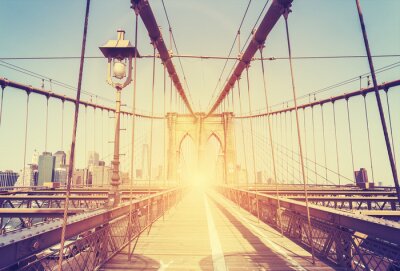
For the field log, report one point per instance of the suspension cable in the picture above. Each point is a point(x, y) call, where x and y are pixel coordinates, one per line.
point(62, 125)
point(324, 141)
point(1, 101)
point(286, 144)
point(291, 141)
point(244, 142)
point(314, 143)
point(378, 100)
point(336, 141)
point(85, 154)
point(237, 37)
point(390, 123)
point(252, 142)
point(305, 142)
point(94, 128)
point(350, 137)
point(47, 122)
point(150, 155)
point(26, 137)
point(369, 138)
point(72, 154)
point(164, 124)
point(271, 141)
point(285, 15)
point(177, 52)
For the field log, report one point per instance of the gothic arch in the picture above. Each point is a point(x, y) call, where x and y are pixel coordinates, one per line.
point(220, 141)
point(200, 129)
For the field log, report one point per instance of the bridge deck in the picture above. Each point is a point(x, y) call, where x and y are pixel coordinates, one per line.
point(206, 232)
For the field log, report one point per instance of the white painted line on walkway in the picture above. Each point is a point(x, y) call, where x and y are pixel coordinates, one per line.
point(271, 244)
point(216, 249)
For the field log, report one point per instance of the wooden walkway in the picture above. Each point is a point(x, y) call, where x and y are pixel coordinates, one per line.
point(207, 232)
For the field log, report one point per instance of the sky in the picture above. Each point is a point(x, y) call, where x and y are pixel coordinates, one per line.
point(54, 28)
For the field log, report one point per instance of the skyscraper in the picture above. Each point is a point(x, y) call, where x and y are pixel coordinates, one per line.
point(35, 157)
point(60, 157)
point(93, 158)
point(46, 168)
point(8, 178)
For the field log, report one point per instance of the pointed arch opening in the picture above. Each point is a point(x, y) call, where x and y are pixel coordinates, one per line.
point(214, 160)
point(187, 159)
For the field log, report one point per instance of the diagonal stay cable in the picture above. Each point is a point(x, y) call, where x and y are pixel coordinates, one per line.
point(176, 49)
point(230, 52)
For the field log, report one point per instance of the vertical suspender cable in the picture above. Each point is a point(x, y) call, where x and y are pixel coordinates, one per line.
point(133, 171)
point(286, 149)
point(151, 133)
point(102, 145)
point(62, 125)
point(94, 128)
point(390, 123)
point(336, 142)
point(281, 147)
point(310, 238)
point(351, 138)
point(369, 138)
point(243, 139)
point(170, 52)
point(85, 154)
point(305, 143)
point(26, 138)
point(271, 141)
point(378, 100)
point(47, 123)
point(72, 154)
point(102, 133)
point(165, 126)
point(291, 143)
point(1, 101)
point(252, 141)
point(324, 141)
point(315, 151)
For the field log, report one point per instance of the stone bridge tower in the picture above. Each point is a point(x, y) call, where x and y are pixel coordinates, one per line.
point(200, 129)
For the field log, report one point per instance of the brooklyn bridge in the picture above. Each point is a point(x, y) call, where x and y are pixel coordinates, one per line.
point(272, 145)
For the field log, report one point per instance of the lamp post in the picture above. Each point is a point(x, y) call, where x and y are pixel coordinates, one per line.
point(118, 52)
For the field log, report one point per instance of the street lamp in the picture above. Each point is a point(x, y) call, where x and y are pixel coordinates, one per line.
point(118, 52)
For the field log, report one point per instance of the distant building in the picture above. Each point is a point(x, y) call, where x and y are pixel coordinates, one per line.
point(31, 176)
point(35, 157)
point(79, 177)
point(8, 178)
point(46, 168)
point(60, 175)
point(261, 176)
point(60, 157)
point(93, 158)
point(100, 175)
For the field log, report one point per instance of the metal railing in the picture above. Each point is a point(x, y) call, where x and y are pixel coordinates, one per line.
point(91, 238)
point(353, 241)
